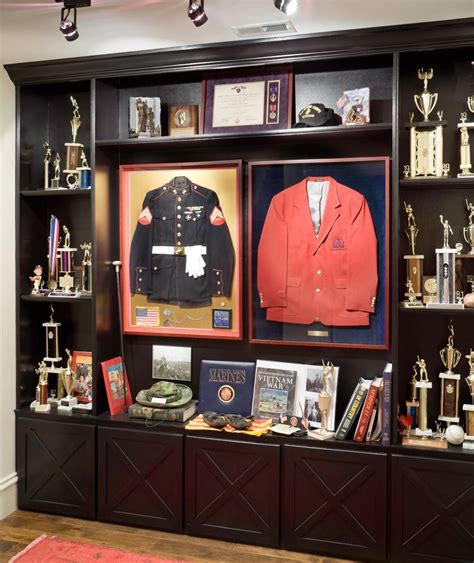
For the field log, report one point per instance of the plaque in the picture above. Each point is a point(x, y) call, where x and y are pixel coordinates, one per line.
point(183, 120)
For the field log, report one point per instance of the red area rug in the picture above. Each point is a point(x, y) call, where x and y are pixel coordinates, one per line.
point(49, 549)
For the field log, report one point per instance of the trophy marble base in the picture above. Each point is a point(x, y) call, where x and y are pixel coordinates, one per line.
point(64, 410)
point(68, 402)
point(320, 435)
point(423, 433)
point(445, 305)
point(55, 185)
point(468, 175)
point(36, 407)
point(61, 293)
point(412, 304)
point(425, 442)
point(468, 443)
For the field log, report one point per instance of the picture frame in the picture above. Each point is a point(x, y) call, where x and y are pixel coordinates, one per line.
point(81, 365)
point(171, 362)
point(368, 176)
point(161, 295)
point(222, 318)
point(253, 101)
point(113, 373)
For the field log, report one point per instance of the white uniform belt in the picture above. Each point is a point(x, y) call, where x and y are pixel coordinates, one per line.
point(171, 250)
point(194, 257)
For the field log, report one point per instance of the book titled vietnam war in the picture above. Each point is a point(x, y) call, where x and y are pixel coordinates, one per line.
point(274, 389)
point(226, 387)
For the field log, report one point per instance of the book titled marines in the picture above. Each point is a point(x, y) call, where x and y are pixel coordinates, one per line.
point(226, 387)
point(353, 407)
point(274, 389)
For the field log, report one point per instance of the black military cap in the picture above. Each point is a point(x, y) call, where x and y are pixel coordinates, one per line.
point(317, 115)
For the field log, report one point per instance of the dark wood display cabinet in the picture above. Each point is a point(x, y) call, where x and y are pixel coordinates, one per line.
point(359, 501)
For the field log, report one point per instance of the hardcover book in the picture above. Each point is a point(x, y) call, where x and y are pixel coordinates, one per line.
point(226, 387)
point(367, 410)
point(353, 408)
point(386, 404)
point(274, 389)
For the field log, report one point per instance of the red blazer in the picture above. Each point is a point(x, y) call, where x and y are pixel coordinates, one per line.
point(330, 278)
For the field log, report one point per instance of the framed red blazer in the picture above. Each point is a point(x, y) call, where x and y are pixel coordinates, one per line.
point(330, 277)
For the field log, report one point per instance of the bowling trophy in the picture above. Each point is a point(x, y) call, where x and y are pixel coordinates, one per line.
point(426, 137)
point(469, 408)
point(450, 357)
point(414, 262)
point(465, 147)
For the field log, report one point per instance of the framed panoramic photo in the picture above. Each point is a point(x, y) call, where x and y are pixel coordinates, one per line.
point(247, 101)
point(319, 252)
point(181, 250)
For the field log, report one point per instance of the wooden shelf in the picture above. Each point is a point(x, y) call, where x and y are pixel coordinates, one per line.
point(308, 134)
point(429, 311)
point(437, 183)
point(48, 299)
point(55, 193)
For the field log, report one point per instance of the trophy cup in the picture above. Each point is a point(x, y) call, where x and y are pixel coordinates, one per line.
point(324, 403)
point(41, 402)
point(68, 377)
point(469, 408)
point(450, 357)
point(426, 137)
point(465, 147)
point(73, 150)
point(414, 261)
point(86, 268)
point(84, 173)
point(446, 272)
point(46, 163)
point(468, 232)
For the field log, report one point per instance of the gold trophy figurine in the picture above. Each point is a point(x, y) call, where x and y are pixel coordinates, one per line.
point(468, 232)
point(324, 403)
point(450, 357)
point(465, 164)
point(469, 408)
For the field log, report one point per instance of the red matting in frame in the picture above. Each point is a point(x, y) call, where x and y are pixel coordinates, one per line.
point(386, 248)
point(126, 235)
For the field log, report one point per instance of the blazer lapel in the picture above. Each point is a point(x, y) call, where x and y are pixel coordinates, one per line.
point(330, 215)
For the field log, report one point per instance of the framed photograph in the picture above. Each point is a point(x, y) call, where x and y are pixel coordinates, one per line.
point(222, 318)
point(172, 362)
point(328, 282)
point(180, 229)
point(113, 373)
point(261, 100)
point(81, 364)
point(308, 390)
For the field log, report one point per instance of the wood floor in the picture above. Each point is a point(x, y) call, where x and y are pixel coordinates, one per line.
point(20, 528)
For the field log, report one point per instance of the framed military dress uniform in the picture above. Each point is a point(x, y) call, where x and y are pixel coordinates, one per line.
point(181, 249)
point(319, 252)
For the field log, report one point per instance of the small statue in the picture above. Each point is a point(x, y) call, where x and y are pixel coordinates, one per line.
point(37, 279)
point(411, 292)
point(470, 209)
point(42, 371)
point(67, 237)
point(84, 159)
point(48, 153)
point(57, 166)
point(446, 232)
point(149, 121)
point(409, 212)
point(423, 369)
point(76, 119)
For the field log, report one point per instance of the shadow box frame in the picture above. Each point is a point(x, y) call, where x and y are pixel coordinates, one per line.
point(262, 331)
point(126, 235)
point(283, 74)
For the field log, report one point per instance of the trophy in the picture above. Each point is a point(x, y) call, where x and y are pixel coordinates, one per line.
point(57, 173)
point(46, 163)
point(422, 384)
point(68, 377)
point(84, 173)
point(446, 272)
point(324, 403)
point(469, 408)
point(465, 147)
point(73, 150)
point(450, 357)
point(414, 262)
point(412, 403)
point(66, 264)
point(86, 268)
point(52, 342)
point(41, 403)
point(426, 137)
point(468, 232)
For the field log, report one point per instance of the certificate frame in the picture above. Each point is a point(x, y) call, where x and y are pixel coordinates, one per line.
point(371, 177)
point(277, 95)
point(151, 317)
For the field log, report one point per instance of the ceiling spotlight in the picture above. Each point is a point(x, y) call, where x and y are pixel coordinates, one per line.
point(196, 12)
point(288, 7)
point(68, 26)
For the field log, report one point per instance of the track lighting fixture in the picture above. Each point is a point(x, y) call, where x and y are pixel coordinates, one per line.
point(288, 7)
point(67, 26)
point(196, 12)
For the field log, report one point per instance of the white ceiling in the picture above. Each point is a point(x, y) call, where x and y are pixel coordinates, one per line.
point(29, 30)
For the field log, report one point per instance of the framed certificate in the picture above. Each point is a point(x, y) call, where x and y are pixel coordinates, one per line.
point(247, 102)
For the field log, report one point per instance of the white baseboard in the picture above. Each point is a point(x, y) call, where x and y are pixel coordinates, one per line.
point(8, 491)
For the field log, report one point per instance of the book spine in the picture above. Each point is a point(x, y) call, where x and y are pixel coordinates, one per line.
point(351, 412)
point(372, 421)
point(386, 408)
point(366, 413)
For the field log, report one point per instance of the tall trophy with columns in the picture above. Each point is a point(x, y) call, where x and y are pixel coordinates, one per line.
point(464, 126)
point(73, 149)
point(414, 262)
point(450, 357)
point(469, 408)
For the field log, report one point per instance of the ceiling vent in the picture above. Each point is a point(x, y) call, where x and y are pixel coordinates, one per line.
point(271, 29)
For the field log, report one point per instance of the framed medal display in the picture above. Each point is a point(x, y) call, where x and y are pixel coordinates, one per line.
point(181, 249)
point(239, 102)
point(319, 252)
